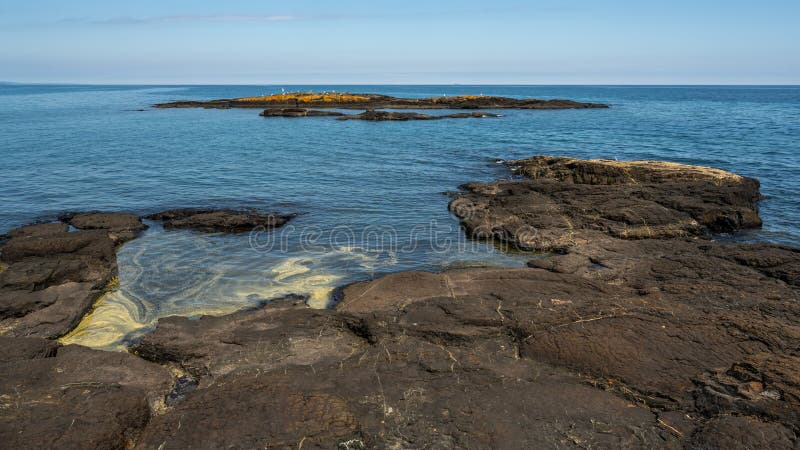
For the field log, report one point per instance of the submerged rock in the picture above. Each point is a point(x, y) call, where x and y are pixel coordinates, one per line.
point(223, 220)
point(52, 276)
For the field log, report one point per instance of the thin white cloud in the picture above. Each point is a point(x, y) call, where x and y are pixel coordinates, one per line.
point(189, 18)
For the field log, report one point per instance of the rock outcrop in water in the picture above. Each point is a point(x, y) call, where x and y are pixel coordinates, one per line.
point(658, 339)
point(51, 276)
point(297, 112)
point(304, 100)
point(219, 220)
point(561, 201)
point(121, 227)
point(380, 116)
point(371, 115)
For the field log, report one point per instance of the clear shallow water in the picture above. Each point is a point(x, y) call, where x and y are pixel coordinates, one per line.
point(377, 188)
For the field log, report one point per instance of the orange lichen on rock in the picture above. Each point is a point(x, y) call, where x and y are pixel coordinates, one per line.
point(308, 97)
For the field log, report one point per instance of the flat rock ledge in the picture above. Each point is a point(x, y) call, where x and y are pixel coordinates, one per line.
point(50, 276)
point(561, 201)
point(649, 343)
point(372, 115)
point(298, 100)
point(72, 397)
point(219, 220)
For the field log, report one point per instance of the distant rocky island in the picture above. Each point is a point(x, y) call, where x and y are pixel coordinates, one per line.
point(378, 101)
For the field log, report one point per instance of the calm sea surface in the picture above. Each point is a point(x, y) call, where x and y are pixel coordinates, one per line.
point(370, 195)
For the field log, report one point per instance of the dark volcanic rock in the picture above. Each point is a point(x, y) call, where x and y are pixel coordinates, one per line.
point(378, 116)
point(442, 374)
point(14, 349)
point(690, 327)
point(225, 220)
point(53, 280)
point(121, 227)
point(743, 432)
point(283, 333)
point(42, 229)
point(692, 311)
point(377, 101)
point(297, 112)
point(74, 397)
point(673, 325)
point(563, 198)
point(254, 412)
point(51, 277)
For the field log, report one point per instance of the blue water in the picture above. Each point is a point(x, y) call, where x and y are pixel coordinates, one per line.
point(87, 147)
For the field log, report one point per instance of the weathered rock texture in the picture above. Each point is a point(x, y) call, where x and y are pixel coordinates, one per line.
point(377, 101)
point(51, 277)
point(562, 199)
point(219, 220)
point(634, 354)
point(424, 376)
point(121, 227)
point(74, 397)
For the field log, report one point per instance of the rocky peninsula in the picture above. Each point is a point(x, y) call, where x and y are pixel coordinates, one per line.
point(634, 329)
point(307, 100)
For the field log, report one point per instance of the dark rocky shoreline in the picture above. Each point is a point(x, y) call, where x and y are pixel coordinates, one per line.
point(637, 329)
point(377, 101)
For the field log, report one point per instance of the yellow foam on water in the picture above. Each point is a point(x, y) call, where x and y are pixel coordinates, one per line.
point(137, 304)
point(114, 317)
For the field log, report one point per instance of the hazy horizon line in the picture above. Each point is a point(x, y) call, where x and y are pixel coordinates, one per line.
point(403, 83)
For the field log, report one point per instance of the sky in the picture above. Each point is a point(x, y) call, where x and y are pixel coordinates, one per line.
point(414, 42)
